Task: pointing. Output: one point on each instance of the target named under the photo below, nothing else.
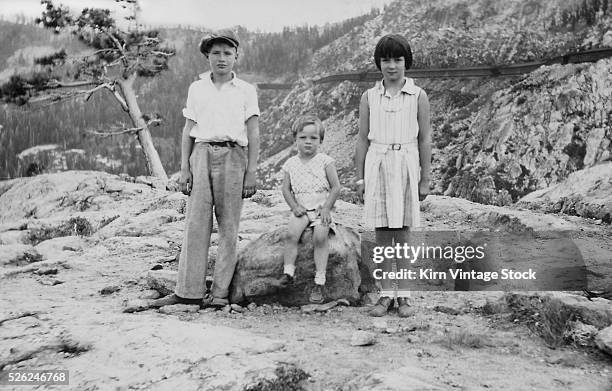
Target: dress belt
(393, 147)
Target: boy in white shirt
(220, 147)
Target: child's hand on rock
(325, 214)
(299, 211)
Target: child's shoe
(316, 294)
(381, 307)
(285, 280)
(403, 307)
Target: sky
(263, 15)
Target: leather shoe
(382, 306)
(171, 300)
(215, 302)
(403, 309)
(316, 294)
(284, 281)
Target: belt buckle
(396, 147)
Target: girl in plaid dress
(310, 187)
(392, 157)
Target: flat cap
(225, 36)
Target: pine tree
(120, 56)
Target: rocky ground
(76, 249)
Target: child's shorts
(315, 219)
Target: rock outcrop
(586, 193)
(530, 135)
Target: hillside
(264, 57)
(520, 118)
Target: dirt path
(130, 351)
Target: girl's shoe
(403, 307)
(381, 307)
(316, 294)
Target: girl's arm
(424, 144)
(334, 182)
(362, 141)
(297, 209)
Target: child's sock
(389, 293)
(320, 278)
(406, 294)
(289, 269)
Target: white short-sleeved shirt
(220, 114)
(308, 179)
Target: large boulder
(260, 264)
(586, 193)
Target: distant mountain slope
(448, 33)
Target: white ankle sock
(319, 278)
(406, 294)
(289, 269)
(390, 293)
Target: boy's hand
(185, 180)
(325, 214)
(299, 211)
(423, 189)
(249, 186)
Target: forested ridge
(263, 57)
(443, 33)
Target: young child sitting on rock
(310, 187)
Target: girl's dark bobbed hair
(393, 46)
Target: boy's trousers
(218, 175)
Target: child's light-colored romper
(309, 182)
(392, 167)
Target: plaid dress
(392, 168)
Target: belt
(393, 147)
(227, 144)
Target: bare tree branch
(79, 83)
(114, 133)
(117, 45)
(112, 88)
(120, 131)
(93, 90)
(92, 54)
(59, 96)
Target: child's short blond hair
(308, 119)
